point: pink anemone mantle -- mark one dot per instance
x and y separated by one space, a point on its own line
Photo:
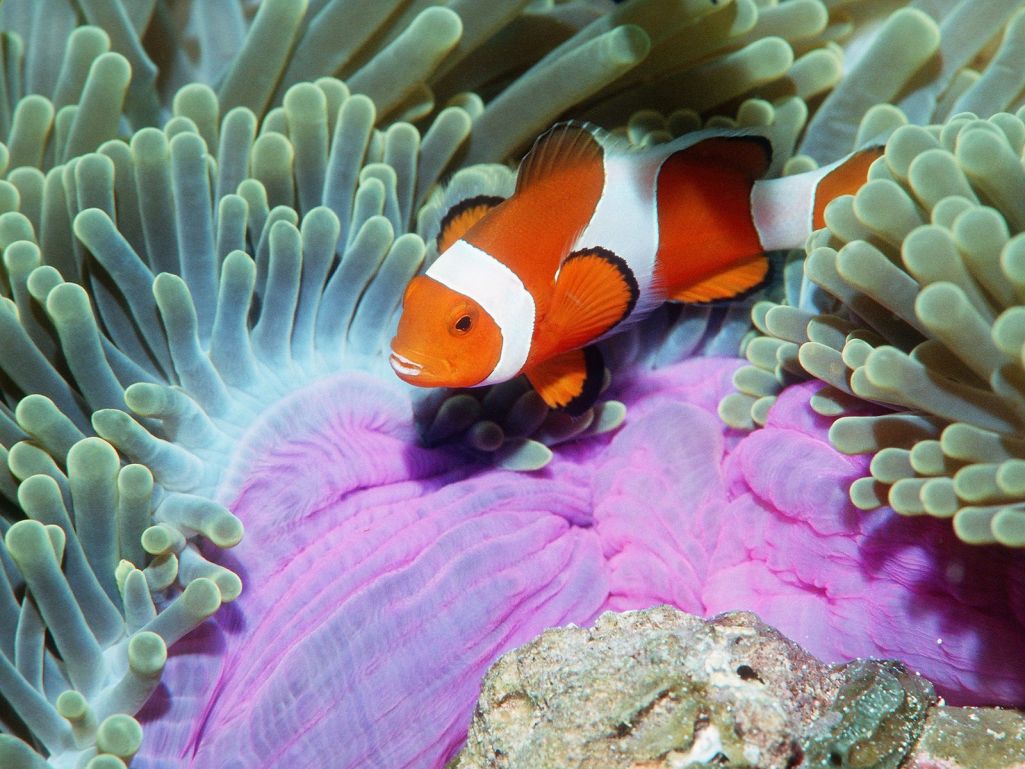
383 578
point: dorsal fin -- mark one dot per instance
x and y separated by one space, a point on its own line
705 225
563 146
462 216
750 153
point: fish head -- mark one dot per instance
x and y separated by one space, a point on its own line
444 338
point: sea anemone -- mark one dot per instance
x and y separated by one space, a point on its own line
910 301
193 318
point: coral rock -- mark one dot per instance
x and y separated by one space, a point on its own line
971 738
660 688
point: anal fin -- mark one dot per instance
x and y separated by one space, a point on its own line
569 381
723 285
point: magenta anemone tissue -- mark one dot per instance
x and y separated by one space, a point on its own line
384 577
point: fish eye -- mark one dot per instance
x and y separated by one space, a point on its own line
462 320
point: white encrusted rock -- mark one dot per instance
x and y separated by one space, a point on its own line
661 689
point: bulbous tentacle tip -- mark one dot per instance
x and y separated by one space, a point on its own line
522 454
16 754
106 761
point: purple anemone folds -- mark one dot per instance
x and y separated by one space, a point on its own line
386 578
382 578
845 583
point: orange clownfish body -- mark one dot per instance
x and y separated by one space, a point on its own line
595 236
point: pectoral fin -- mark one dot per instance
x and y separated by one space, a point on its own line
569 381
594 291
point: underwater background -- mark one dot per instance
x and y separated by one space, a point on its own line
233 538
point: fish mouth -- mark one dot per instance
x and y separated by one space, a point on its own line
406 369
431 373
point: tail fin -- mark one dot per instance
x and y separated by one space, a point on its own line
845 178
788 209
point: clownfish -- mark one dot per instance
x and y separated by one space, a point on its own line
595 236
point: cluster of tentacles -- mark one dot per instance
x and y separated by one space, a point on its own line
911 299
